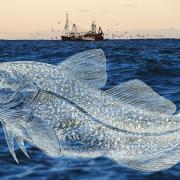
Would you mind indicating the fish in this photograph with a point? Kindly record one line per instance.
(62, 110)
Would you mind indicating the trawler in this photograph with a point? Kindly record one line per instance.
(75, 35)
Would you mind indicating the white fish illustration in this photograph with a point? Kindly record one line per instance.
(62, 111)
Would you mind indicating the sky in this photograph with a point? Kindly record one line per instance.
(20, 18)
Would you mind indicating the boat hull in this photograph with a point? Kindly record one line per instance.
(83, 38)
(66, 38)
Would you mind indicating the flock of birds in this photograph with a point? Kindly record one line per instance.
(128, 35)
(56, 34)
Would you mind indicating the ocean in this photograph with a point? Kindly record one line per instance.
(156, 62)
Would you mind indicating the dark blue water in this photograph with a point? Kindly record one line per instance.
(156, 62)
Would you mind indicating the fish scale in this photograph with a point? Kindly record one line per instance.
(115, 140)
(95, 101)
(65, 113)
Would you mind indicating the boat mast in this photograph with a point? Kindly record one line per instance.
(100, 31)
(66, 27)
(73, 33)
(93, 27)
(74, 29)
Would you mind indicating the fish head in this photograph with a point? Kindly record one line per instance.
(17, 118)
(14, 97)
(12, 119)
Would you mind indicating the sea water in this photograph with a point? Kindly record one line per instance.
(156, 62)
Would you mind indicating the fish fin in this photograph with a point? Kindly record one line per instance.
(20, 142)
(12, 115)
(43, 136)
(89, 66)
(137, 93)
(10, 141)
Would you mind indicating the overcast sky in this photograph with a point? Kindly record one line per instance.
(28, 16)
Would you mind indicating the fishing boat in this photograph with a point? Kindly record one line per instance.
(75, 35)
